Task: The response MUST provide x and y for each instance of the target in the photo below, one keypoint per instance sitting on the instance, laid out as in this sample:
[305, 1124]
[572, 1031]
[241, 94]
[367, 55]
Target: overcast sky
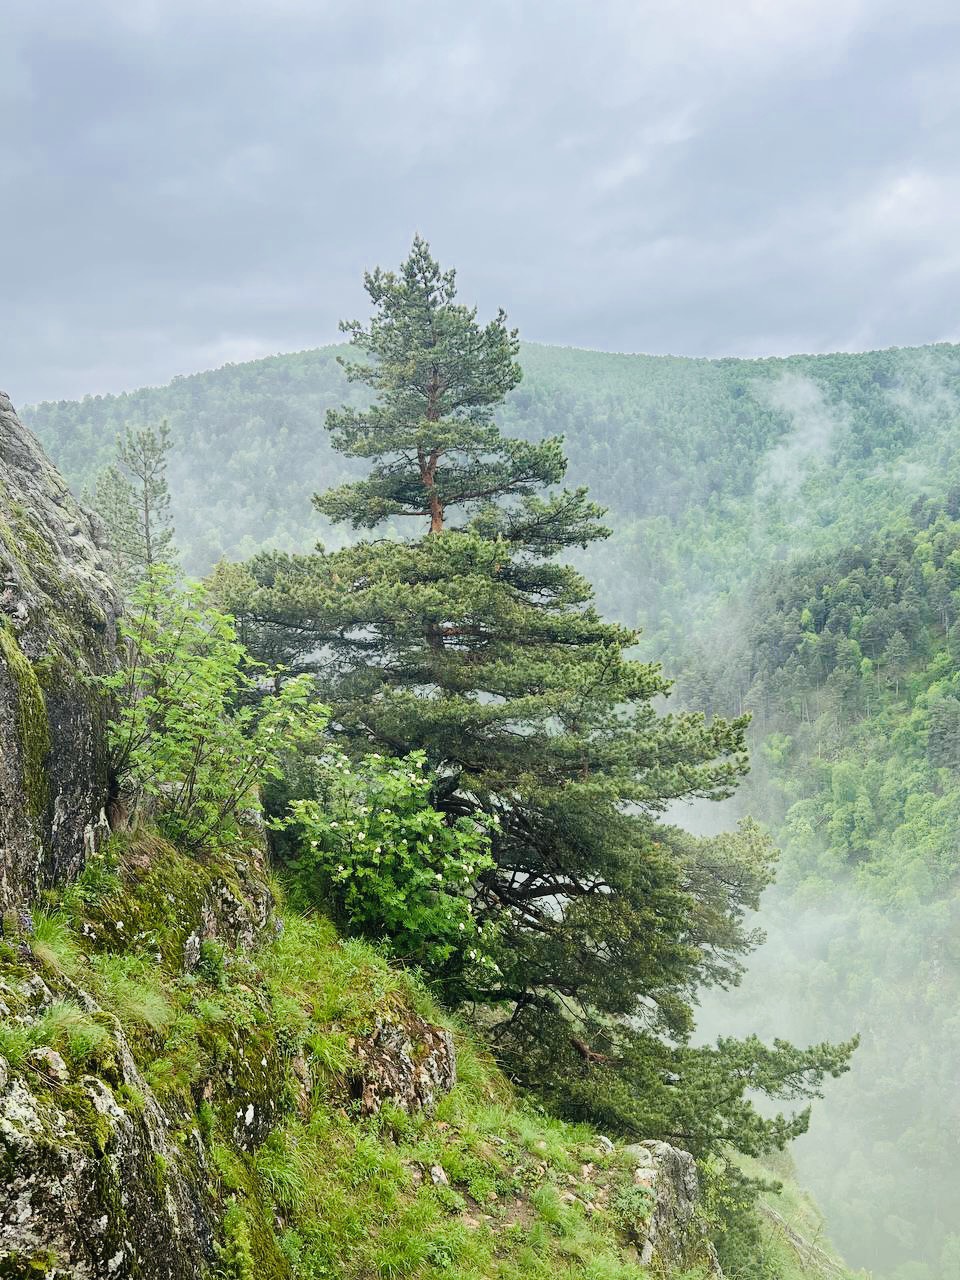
[187, 183]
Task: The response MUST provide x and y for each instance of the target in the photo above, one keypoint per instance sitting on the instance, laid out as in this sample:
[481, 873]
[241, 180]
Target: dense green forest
[709, 468]
[785, 532]
[853, 665]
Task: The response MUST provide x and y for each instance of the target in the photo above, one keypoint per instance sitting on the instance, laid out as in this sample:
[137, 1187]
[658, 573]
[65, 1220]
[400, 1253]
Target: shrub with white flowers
[375, 852]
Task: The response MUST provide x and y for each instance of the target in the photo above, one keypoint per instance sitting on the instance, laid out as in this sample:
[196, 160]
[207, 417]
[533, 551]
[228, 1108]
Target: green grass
[127, 985]
[64, 1026]
[53, 942]
[326, 1193]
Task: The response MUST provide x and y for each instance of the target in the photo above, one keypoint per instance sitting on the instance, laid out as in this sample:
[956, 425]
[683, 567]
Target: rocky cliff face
[57, 615]
[103, 1177]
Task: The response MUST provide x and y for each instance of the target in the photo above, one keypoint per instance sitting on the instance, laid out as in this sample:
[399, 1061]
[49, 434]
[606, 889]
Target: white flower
[439, 876]
[430, 839]
[461, 925]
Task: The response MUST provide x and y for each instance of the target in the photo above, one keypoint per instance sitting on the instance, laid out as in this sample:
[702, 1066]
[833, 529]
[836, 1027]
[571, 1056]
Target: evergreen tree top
[438, 376]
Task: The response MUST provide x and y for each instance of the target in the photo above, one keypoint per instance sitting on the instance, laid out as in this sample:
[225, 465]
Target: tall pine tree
[476, 644]
[472, 641]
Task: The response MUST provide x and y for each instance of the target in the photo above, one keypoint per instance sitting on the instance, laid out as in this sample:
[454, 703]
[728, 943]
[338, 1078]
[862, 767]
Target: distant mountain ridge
[709, 467]
[652, 435]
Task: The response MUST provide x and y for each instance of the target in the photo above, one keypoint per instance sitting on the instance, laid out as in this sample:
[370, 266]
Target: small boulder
[671, 1235]
[409, 1062]
[48, 1063]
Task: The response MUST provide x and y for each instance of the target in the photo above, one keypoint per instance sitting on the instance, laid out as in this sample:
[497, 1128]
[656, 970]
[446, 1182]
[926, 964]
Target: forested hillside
[786, 533]
[853, 665]
[700, 461]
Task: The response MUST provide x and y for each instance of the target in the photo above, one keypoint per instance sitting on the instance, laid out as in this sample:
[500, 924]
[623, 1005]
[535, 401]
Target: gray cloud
[189, 183]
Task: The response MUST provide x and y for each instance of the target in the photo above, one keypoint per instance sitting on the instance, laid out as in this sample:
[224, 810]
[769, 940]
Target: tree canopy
[474, 644]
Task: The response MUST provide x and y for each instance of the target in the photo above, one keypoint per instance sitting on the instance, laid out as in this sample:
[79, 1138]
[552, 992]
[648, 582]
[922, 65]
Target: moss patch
[69, 613]
[33, 729]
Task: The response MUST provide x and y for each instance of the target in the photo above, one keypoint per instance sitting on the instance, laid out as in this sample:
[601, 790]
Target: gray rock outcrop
[408, 1062]
[57, 628]
[95, 1188]
[671, 1233]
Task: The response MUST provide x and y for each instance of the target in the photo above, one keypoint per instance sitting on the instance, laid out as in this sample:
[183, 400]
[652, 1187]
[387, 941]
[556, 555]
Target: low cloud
[813, 425]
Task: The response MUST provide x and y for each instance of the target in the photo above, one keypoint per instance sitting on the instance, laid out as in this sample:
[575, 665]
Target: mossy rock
[57, 634]
[32, 727]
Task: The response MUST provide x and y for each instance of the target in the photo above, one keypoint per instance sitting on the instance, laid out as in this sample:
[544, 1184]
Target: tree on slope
[133, 499]
[474, 644]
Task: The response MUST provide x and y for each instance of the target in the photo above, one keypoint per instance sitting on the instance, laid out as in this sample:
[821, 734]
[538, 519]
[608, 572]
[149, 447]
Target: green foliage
[702, 1098]
[693, 522]
[437, 376]
[642, 431]
[52, 942]
[191, 732]
[63, 1026]
[474, 646]
[764, 1225]
[235, 1254]
[124, 982]
[631, 1203]
[40, 1263]
[724, 877]
[375, 851]
[867, 753]
[133, 498]
[211, 964]
[98, 879]
[857, 712]
[328, 1192]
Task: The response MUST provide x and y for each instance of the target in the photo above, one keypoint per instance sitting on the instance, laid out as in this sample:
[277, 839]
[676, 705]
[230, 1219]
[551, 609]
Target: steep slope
[196, 1082]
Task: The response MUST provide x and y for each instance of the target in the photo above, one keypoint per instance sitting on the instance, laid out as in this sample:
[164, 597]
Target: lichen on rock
[670, 1232]
[406, 1061]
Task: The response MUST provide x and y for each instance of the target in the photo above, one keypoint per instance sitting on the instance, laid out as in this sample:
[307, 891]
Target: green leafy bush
[373, 848]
